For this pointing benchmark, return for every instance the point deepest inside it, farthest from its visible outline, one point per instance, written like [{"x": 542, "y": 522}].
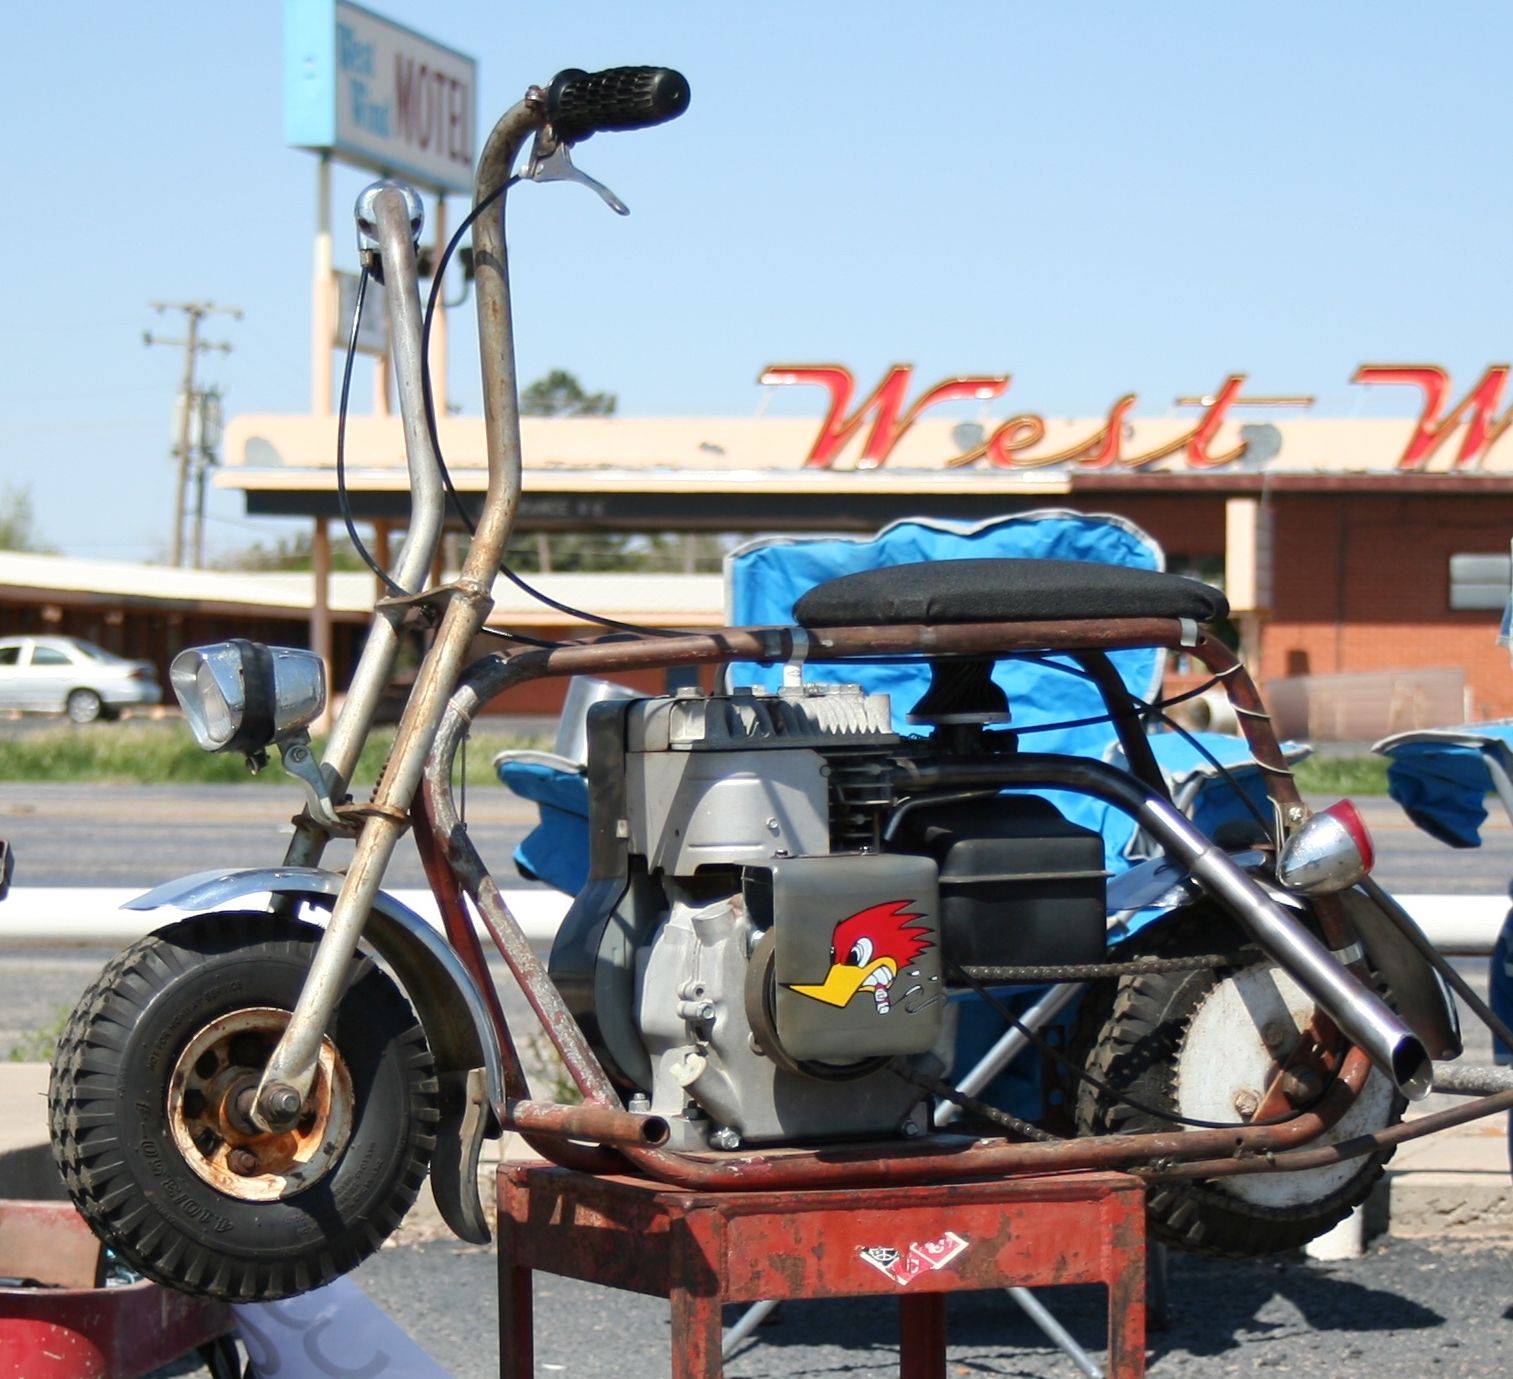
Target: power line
[{"x": 191, "y": 407}]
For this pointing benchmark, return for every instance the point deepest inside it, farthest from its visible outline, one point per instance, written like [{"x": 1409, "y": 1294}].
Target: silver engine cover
[{"x": 714, "y": 784}]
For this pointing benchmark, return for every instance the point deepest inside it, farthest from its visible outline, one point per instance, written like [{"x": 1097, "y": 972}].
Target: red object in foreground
[
  {"x": 703, "y": 1249},
  {"x": 68, "y": 1328},
  {"x": 1350, "y": 820}
]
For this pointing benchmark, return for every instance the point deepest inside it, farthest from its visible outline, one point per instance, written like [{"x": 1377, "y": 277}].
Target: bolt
[
  {"x": 726, "y": 1137},
  {"x": 242, "y": 1162},
  {"x": 911, "y": 1129},
  {"x": 281, "y": 1104},
  {"x": 1275, "y": 1034},
  {"x": 1247, "y": 1103},
  {"x": 1301, "y": 1084},
  {"x": 639, "y": 1103}
]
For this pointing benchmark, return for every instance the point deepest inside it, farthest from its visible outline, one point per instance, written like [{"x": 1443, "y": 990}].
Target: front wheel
[
  {"x": 149, "y": 1098},
  {"x": 84, "y": 706}
]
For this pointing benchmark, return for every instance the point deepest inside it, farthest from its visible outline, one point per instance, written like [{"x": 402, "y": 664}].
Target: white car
[{"x": 67, "y": 675}]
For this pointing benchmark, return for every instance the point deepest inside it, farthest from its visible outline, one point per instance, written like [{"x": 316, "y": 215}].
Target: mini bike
[{"x": 796, "y": 899}]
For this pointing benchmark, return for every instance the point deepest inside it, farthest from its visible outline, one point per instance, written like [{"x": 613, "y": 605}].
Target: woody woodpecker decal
[{"x": 868, "y": 951}]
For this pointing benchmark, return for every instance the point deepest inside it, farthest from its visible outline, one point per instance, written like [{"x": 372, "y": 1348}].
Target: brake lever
[{"x": 551, "y": 162}]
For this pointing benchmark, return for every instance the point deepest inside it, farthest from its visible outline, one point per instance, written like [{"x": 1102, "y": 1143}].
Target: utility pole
[
  {"x": 194, "y": 313},
  {"x": 207, "y": 405}
]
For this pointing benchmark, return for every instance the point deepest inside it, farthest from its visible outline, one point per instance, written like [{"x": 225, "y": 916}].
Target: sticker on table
[{"x": 904, "y": 1266}]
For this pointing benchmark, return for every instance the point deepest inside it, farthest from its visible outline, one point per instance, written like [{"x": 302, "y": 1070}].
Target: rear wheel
[
  {"x": 149, "y": 1106},
  {"x": 84, "y": 706},
  {"x": 1204, "y": 1045}
]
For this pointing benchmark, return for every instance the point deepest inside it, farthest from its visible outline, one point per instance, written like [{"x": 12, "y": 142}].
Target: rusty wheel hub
[{"x": 210, "y": 1098}]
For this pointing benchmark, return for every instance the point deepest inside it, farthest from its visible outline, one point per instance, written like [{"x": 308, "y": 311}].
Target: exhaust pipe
[{"x": 1365, "y": 1019}]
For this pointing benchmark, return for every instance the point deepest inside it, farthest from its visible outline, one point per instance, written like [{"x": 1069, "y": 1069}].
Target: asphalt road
[
  {"x": 140, "y": 835},
  {"x": 1406, "y": 1310}
]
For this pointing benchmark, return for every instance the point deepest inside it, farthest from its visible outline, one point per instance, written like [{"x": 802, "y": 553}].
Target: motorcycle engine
[{"x": 764, "y": 950}]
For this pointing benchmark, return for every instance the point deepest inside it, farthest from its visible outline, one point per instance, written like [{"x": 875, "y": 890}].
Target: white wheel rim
[{"x": 1225, "y": 1058}]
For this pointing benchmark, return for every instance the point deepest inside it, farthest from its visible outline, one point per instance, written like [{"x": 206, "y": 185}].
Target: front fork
[{"x": 290, "y": 1072}]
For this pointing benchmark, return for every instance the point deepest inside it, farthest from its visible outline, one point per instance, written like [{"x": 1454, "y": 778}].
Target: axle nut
[{"x": 282, "y": 1105}]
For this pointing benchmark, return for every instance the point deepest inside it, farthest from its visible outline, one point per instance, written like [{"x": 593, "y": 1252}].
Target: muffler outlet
[
  {"x": 1362, "y": 1016},
  {"x": 1413, "y": 1069}
]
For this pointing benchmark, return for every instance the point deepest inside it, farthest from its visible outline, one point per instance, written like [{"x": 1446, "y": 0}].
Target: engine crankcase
[{"x": 711, "y": 1075}]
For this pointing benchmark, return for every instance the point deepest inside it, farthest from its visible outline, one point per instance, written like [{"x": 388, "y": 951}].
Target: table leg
[
  {"x": 695, "y": 1336},
  {"x": 517, "y": 1347},
  {"x": 922, "y": 1336},
  {"x": 1126, "y": 1321}
]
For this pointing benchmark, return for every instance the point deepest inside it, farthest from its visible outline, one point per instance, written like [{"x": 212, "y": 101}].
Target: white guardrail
[
  {"x": 1463, "y": 925},
  {"x": 69, "y": 914}
]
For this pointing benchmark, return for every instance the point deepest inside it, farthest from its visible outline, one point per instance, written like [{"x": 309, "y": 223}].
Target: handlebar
[{"x": 580, "y": 103}]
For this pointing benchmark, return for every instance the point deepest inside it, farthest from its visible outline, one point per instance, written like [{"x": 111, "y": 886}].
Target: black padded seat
[{"x": 1004, "y": 590}]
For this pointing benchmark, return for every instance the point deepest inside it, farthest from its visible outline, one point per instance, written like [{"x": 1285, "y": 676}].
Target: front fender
[
  {"x": 445, "y": 997},
  {"x": 447, "y": 1002}
]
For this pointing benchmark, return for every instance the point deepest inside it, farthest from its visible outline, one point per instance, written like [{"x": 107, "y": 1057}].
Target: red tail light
[{"x": 1330, "y": 852}]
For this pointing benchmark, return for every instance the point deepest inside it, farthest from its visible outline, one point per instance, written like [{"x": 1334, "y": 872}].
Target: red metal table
[
  {"x": 703, "y": 1249},
  {"x": 69, "y": 1329}
]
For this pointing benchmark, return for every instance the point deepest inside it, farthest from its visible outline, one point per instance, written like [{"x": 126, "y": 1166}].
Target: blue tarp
[
  {"x": 556, "y": 850},
  {"x": 1441, "y": 778},
  {"x": 764, "y": 579}
]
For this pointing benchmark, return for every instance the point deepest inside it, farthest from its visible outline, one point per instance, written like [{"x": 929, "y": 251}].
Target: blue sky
[{"x": 1096, "y": 199}]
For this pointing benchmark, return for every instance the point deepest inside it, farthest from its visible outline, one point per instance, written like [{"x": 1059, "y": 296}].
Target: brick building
[{"x": 1348, "y": 548}]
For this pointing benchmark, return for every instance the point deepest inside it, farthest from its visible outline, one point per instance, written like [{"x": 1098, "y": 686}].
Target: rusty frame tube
[
  {"x": 458, "y": 927},
  {"x": 1324, "y": 1156},
  {"x": 926, "y": 1161},
  {"x": 603, "y": 1124},
  {"x": 849, "y": 1167}
]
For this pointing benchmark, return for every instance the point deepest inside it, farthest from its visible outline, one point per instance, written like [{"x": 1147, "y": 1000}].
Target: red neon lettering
[
  {"x": 1482, "y": 432},
  {"x": 1103, "y": 448},
  {"x": 1198, "y": 443},
  {"x": 1016, "y": 434},
  {"x": 1099, "y": 451},
  {"x": 888, "y": 427}
]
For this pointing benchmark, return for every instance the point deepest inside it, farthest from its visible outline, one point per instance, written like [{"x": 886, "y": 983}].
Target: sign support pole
[{"x": 322, "y": 312}]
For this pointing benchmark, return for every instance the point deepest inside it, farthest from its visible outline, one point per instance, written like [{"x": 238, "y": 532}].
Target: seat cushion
[{"x": 1004, "y": 590}]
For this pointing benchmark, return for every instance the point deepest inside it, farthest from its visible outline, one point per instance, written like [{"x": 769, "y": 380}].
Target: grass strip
[{"x": 149, "y": 753}]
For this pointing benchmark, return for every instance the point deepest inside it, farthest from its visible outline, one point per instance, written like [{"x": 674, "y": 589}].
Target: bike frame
[{"x": 414, "y": 792}]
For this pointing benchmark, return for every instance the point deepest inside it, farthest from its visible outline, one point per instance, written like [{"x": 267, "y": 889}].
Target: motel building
[{"x": 1366, "y": 560}]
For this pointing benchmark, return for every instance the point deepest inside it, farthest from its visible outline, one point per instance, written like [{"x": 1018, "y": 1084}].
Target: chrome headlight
[{"x": 241, "y": 696}]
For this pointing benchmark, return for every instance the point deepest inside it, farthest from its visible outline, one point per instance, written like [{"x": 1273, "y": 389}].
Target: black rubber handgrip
[{"x": 580, "y": 103}]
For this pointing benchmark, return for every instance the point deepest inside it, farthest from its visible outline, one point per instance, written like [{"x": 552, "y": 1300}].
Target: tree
[
  {"x": 560, "y": 394},
  {"x": 18, "y": 523},
  {"x": 295, "y": 551}
]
